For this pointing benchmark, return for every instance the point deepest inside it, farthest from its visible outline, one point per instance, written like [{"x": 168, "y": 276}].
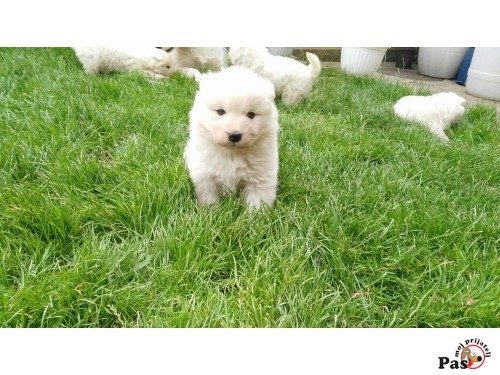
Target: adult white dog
[
  {"x": 102, "y": 60},
  {"x": 233, "y": 138},
  {"x": 292, "y": 80},
  {"x": 437, "y": 112}
]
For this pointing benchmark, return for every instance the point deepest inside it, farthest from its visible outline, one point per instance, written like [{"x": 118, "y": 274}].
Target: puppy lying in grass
[
  {"x": 104, "y": 60},
  {"x": 233, "y": 138},
  {"x": 292, "y": 80},
  {"x": 436, "y": 112},
  {"x": 199, "y": 58},
  {"x": 153, "y": 62}
]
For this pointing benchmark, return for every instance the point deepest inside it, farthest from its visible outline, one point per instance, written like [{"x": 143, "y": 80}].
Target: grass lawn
[{"x": 376, "y": 223}]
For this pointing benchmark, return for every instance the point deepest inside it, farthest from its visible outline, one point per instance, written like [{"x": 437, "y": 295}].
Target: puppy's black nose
[
  {"x": 235, "y": 137},
  {"x": 479, "y": 358}
]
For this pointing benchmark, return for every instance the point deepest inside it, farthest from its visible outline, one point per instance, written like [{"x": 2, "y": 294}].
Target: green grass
[{"x": 376, "y": 224}]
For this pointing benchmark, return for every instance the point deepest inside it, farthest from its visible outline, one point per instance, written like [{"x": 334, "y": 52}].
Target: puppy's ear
[{"x": 458, "y": 99}]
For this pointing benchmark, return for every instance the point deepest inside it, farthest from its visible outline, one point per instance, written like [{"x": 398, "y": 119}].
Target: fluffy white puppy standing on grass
[
  {"x": 233, "y": 138},
  {"x": 292, "y": 80},
  {"x": 437, "y": 112}
]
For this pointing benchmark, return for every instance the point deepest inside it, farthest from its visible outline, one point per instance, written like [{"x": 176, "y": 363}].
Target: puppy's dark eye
[
  {"x": 221, "y": 112},
  {"x": 168, "y": 66},
  {"x": 251, "y": 115}
]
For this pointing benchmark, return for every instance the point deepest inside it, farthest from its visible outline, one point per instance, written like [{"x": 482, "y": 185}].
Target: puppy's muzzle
[{"x": 235, "y": 137}]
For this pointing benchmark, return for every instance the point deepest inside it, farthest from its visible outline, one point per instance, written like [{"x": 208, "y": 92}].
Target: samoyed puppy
[
  {"x": 103, "y": 60},
  {"x": 437, "y": 112},
  {"x": 292, "y": 80},
  {"x": 233, "y": 138},
  {"x": 200, "y": 58}
]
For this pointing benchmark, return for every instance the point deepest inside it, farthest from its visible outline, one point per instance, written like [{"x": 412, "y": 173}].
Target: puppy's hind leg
[{"x": 292, "y": 95}]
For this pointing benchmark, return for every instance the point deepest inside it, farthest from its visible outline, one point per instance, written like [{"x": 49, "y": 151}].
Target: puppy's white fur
[
  {"x": 103, "y": 60},
  {"x": 199, "y": 58},
  {"x": 292, "y": 80},
  {"x": 222, "y": 108},
  {"x": 437, "y": 112}
]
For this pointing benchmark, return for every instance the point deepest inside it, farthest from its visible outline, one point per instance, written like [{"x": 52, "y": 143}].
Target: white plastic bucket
[
  {"x": 483, "y": 79},
  {"x": 440, "y": 62},
  {"x": 361, "y": 60}
]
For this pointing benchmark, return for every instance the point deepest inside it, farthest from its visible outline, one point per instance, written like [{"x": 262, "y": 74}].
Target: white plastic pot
[
  {"x": 361, "y": 60},
  {"x": 440, "y": 62},
  {"x": 483, "y": 78},
  {"x": 280, "y": 51}
]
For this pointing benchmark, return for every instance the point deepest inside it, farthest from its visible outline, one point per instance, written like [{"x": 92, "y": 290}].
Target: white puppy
[
  {"x": 437, "y": 112},
  {"x": 102, "y": 60},
  {"x": 199, "y": 58},
  {"x": 292, "y": 80},
  {"x": 233, "y": 139}
]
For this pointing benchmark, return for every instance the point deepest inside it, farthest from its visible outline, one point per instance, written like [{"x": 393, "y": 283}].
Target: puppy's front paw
[
  {"x": 154, "y": 75},
  {"x": 197, "y": 76},
  {"x": 206, "y": 201},
  {"x": 256, "y": 199},
  {"x": 190, "y": 72},
  {"x": 206, "y": 193}
]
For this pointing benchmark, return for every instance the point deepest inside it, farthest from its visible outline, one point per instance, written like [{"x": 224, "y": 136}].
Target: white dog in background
[
  {"x": 199, "y": 58},
  {"x": 103, "y": 60},
  {"x": 437, "y": 112},
  {"x": 233, "y": 139},
  {"x": 292, "y": 80}
]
